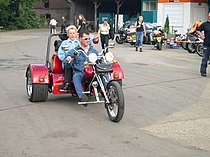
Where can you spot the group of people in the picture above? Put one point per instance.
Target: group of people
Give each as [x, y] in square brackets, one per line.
[73, 65]
[105, 31]
[203, 29]
[53, 23]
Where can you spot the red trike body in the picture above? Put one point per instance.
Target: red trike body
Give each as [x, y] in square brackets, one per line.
[54, 76]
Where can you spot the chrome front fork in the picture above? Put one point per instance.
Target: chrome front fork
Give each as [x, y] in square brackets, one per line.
[102, 88]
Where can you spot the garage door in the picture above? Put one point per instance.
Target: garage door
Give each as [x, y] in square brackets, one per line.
[175, 13]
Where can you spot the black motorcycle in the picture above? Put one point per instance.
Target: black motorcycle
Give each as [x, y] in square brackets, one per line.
[122, 36]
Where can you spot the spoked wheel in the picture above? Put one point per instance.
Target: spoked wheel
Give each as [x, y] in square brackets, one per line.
[115, 108]
[118, 40]
[190, 47]
[199, 50]
[35, 92]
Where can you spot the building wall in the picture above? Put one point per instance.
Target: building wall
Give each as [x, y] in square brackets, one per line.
[182, 15]
[149, 15]
[59, 8]
[56, 9]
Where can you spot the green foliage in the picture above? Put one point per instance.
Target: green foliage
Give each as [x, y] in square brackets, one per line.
[19, 14]
[166, 26]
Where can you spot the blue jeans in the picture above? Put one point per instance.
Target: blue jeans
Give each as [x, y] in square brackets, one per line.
[205, 59]
[139, 39]
[78, 78]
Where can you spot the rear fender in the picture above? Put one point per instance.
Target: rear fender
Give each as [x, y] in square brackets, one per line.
[39, 73]
[117, 73]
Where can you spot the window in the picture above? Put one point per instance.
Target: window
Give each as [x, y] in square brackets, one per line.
[46, 4]
[149, 6]
[48, 16]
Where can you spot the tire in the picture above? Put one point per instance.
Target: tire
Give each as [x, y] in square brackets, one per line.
[199, 50]
[120, 82]
[132, 43]
[118, 40]
[183, 45]
[90, 28]
[35, 92]
[115, 109]
[159, 46]
[190, 47]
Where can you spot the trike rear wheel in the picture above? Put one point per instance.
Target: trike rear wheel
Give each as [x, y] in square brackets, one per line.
[35, 92]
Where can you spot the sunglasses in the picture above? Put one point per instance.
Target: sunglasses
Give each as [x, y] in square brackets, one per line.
[86, 38]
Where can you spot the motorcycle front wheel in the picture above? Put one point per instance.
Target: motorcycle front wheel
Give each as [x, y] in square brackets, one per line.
[118, 40]
[116, 106]
[159, 46]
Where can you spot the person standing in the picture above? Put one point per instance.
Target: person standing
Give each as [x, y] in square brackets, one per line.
[140, 33]
[81, 23]
[103, 32]
[53, 24]
[63, 25]
[205, 27]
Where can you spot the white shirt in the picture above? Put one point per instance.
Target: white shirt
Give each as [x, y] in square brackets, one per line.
[104, 30]
[53, 22]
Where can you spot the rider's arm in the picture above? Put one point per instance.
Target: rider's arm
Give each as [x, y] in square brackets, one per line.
[199, 31]
[108, 26]
[135, 25]
[61, 53]
[71, 53]
[201, 34]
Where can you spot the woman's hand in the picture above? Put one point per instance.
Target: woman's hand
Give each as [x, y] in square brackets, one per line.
[68, 59]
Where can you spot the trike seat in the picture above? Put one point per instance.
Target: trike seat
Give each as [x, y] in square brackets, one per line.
[56, 65]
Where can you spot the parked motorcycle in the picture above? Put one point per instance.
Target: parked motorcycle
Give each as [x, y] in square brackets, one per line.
[122, 36]
[193, 40]
[157, 38]
[131, 38]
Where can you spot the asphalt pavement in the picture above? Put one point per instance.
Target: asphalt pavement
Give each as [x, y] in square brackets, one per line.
[167, 106]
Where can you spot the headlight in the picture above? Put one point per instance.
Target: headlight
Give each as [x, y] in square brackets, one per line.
[92, 57]
[109, 56]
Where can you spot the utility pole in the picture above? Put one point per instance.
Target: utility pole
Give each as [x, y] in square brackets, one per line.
[119, 4]
[96, 5]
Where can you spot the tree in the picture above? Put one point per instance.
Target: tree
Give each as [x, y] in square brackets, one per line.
[166, 26]
[18, 14]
